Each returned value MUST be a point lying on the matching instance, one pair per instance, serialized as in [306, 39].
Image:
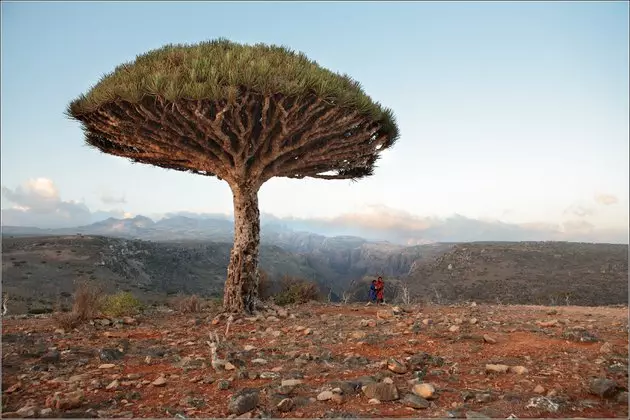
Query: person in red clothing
[380, 290]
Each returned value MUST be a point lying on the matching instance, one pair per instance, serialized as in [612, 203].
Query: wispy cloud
[110, 199]
[606, 199]
[38, 203]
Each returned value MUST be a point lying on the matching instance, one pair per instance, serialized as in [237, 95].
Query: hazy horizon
[513, 116]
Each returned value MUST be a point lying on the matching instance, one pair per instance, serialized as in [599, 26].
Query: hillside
[545, 273]
[39, 272]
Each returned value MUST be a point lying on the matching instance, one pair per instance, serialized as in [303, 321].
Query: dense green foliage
[218, 69]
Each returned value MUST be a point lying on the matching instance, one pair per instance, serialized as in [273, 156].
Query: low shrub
[188, 304]
[121, 304]
[87, 301]
[67, 320]
[296, 291]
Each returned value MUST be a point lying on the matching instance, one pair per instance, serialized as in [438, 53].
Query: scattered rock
[490, 368]
[415, 401]
[543, 403]
[384, 314]
[424, 390]
[488, 339]
[475, 415]
[46, 412]
[603, 387]
[65, 402]
[454, 328]
[161, 381]
[373, 401]
[28, 411]
[551, 323]
[285, 405]
[519, 370]
[110, 355]
[114, 385]
[243, 401]
[291, 382]
[53, 356]
[107, 366]
[381, 391]
[324, 396]
[539, 389]
[472, 321]
[396, 366]
[606, 348]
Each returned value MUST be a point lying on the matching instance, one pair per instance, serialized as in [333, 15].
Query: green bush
[296, 291]
[121, 304]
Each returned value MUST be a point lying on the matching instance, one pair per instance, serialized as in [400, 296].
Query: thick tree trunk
[241, 286]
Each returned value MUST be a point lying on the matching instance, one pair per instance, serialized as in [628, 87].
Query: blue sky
[508, 111]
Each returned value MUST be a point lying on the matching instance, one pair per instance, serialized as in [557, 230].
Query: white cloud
[38, 203]
[606, 199]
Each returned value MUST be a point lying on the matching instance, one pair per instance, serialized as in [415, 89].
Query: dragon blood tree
[240, 113]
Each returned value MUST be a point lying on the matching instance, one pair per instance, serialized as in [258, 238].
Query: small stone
[497, 368]
[539, 389]
[53, 356]
[285, 405]
[483, 398]
[388, 380]
[519, 370]
[551, 323]
[396, 366]
[454, 328]
[384, 314]
[424, 390]
[291, 382]
[415, 401]
[475, 415]
[381, 391]
[489, 339]
[46, 412]
[229, 366]
[606, 348]
[161, 381]
[28, 411]
[269, 375]
[603, 387]
[472, 321]
[427, 321]
[337, 398]
[113, 385]
[373, 401]
[107, 366]
[308, 331]
[249, 348]
[243, 402]
[358, 335]
[259, 361]
[324, 396]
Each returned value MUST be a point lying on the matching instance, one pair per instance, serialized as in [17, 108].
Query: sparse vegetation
[296, 291]
[88, 299]
[188, 304]
[121, 304]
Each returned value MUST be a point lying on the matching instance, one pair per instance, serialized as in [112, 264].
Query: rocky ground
[316, 360]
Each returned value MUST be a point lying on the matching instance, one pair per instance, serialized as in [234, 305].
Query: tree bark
[241, 286]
